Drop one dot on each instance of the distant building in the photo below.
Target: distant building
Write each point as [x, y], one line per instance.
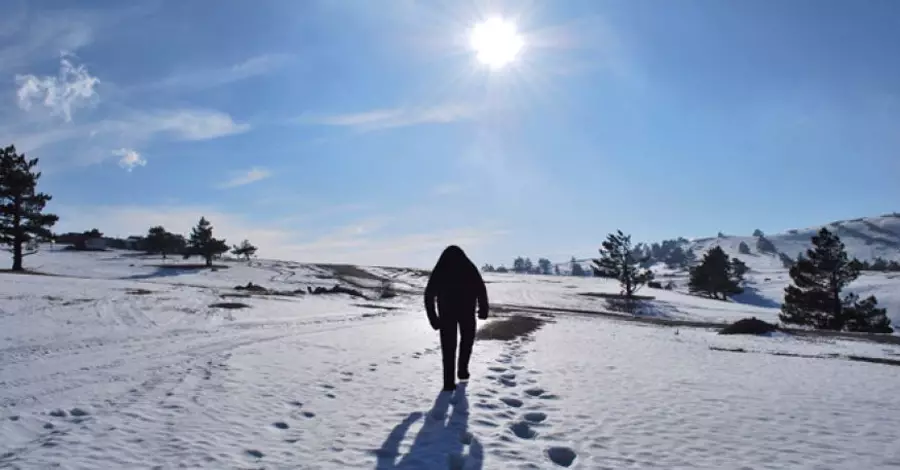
[134, 242]
[95, 244]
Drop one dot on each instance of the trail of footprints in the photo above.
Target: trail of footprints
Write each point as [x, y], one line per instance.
[522, 404]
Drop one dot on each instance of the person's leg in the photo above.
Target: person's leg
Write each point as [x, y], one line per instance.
[466, 340]
[448, 353]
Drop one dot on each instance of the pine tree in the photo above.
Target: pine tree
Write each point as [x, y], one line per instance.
[556, 270]
[786, 260]
[202, 243]
[519, 265]
[715, 275]
[744, 248]
[617, 261]
[576, 268]
[22, 220]
[529, 266]
[738, 270]
[161, 241]
[764, 245]
[487, 268]
[245, 249]
[814, 298]
[758, 233]
[544, 265]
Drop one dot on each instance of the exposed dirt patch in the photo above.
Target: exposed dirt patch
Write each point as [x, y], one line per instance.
[377, 307]
[749, 326]
[347, 270]
[229, 305]
[604, 295]
[872, 360]
[509, 328]
[188, 267]
[138, 291]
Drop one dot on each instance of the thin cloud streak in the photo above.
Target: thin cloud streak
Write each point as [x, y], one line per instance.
[380, 119]
[246, 177]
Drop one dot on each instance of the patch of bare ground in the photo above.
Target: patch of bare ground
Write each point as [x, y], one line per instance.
[509, 328]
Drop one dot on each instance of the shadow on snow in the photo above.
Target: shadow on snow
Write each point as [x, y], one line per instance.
[440, 442]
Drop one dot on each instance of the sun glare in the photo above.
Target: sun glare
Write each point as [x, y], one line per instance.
[496, 42]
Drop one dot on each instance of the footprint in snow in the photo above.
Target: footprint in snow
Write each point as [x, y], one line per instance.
[497, 369]
[309, 414]
[58, 413]
[295, 403]
[280, 425]
[562, 456]
[254, 453]
[508, 382]
[513, 402]
[328, 387]
[330, 395]
[534, 392]
[508, 376]
[523, 430]
[535, 417]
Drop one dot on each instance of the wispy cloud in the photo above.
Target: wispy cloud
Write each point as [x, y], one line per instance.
[182, 124]
[72, 88]
[38, 35]
[252, 67]
[244, 178]
[130, 158]
[395, 117]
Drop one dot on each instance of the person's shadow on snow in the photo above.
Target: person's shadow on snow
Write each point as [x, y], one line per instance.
[440, 442]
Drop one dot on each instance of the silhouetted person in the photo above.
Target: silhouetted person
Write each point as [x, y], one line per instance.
[458, 286]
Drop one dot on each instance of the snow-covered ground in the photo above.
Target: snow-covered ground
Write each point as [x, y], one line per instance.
[116, 363]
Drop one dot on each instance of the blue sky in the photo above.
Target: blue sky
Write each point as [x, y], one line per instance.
[367, 132]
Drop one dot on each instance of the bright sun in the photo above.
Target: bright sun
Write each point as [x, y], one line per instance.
[496, 42]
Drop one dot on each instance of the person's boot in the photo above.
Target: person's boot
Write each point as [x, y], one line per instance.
[463, 375]
[449, 387]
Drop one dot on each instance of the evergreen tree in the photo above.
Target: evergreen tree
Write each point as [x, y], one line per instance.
[502, 269]
[202, 243]
[690, 258]
[161, 241]
[529, 266]
[245, 249]
[22, 219]
[617, 261]
[744, 248]
[545, 266]
[715, 275]
[879, 265]
[576, 269]
[556, 270]
[487, 268]
[758, 233]
[814, 299]
[764, 245]
[786, 260]
[865, 316]
[519, 265]
[738, 270]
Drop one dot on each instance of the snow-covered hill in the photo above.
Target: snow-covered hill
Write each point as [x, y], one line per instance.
[865, 239]
[114, 360]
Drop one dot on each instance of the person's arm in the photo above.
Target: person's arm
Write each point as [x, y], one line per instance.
[481, 289]
[429, 300]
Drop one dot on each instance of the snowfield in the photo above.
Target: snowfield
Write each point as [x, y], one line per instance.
[114, 362]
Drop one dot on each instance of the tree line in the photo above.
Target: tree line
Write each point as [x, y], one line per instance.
[24, 223]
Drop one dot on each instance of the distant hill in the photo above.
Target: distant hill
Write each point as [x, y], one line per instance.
[866, 239]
